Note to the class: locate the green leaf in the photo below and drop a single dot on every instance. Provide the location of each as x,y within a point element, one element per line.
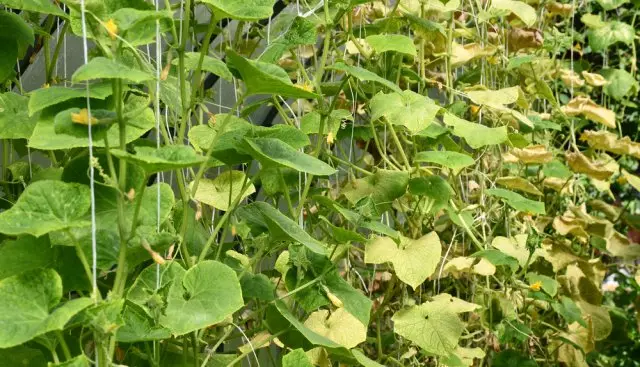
<point>409,109</point>
<point>210,64</point>
<point>310,122</point>
<point>609,34</point>
<point>515,247</point>
<point>150,287</point>
<point>569,311</point>
<point>413,260</point>
<point>29,306</point>
<point>353,300</point>
<point>392,42</point>
<point>264,78</point>
<point>23,356</point>
<point>432,327</point>
<point>42,98</point>
<point>522,10</point>
<point>476,135</point>
<point>279,226</point>
<point>165,158</point>
<point>453,160</point>
<point>555,168</point>
<point>242,10</point>
<point>365,75</point>
<point>383,187</point>
<point>296,358</point>
<point>433,187</point>
<point>39,6</point>
<point>104,68</point>
<point>257,286</point>
<point>498,258</point>
<point>299,32</point>
<point>620,83</point>
<point>25,254</point>
<point>139,327</point>
<point>611,4</point>
<point>79,361</point>
<point>205,295</point>
<point>364,360</point>
<point>280,318</point>
<point>222,190</point>
<point>518,202</point>
<point>13,27</point>
<point>46,206</point>
<point>274,152</point>
<point>138,27</point>
<point>15,123</point>
<point>509,358</point>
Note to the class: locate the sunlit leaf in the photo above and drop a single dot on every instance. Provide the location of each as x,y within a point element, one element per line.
<point>166,158</point>
<point>223,190</point>
<point>579,163</point>
<point>273,152</point>
<point>392,42</point>
<point>522,10</point>
<point>413,260</point>
<point>586,107</point>
<point>476,135</point>
<point>340,327</point>
<point>383,187</point>
<point>409,109</point>
<point>242,10</point>
<point>104,68</point>
<point>533,154</point>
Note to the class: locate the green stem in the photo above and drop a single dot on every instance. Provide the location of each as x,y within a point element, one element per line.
<point>285,191</point>
<point>56,51</point>
<point>63,345</point>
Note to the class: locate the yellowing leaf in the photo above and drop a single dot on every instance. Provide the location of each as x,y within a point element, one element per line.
<point>619,245</point>
<point>609,141</point>
<point>563,186</point>
<point>518,183</point>
<point>495,98</point>
<point>476,135</point>
<point>223,190</point>
<point>558,254</point>
<point>586,107</point>
<point>515,247</point>
<point>579,163</point>
<point>82,118</point>
<point>633,180</point>
<point>556,8</point>
<point>484,267</point>
<point>413,261</point>
<point>432,327</point>
<point>454,304</point>
<point>458,265</point>
<point>595,80</point>
<point>522,10</point>
<point>570,78</point>
<point>534,154</point>
<point>341,327</point>
<point>462,54</point>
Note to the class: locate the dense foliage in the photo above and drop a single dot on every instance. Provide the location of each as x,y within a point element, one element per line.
<point>446,183</point>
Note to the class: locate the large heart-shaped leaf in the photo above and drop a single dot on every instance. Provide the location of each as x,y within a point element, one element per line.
<point>413,260</point>
<point>610,33</point>
<point>340,327</point>
<point>46,206</point>
<point>392,42</point>
<point>274,152</point>
<point>409,109</point>
<point>242,10</point>
<point>476,135</point>
<point>434,328</point>
<point>104,68</point>
<point>15,123</point>
<point>383,186</point>
<point>264,78</point>
<point>205,295</point>
<point>29,306</point>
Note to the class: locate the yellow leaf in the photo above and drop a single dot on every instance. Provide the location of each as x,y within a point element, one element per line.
<point>82,117</point>
<point>609,141</point>
<point>457,266</point>
<point>633,180</point>
<point>341,327</point>
<point>112,28</point>
<point>518,183</point>
<point>619,245</point>
<point>579,163</point>
<point>535,154</point>
<point>484,267</point>
<point>556,8</point>
<point>570,78</point>
<point>595,80</point>
<point>586,107</point>
<point>462,54</point>
<point>563,186</point>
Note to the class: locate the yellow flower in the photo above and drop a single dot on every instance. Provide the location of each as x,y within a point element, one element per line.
<point>306,87</point>
<point>112,28</point>
<point>536,286</point>
<point>330,137</point>
<point>82,117</point>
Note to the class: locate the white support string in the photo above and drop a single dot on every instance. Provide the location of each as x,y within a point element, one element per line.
<point>157,117</point>
<point>94,252</point>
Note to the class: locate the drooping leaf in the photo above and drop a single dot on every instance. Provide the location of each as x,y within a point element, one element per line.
<point>365,75</point>
<point>210,64</point>
<point>498,258</point>
<point>609,142</point>
<point>515,247</point>
<point>383,187</point>
<point>242,10</point>
<point>533,154</point>
<point>364,360</point>
<point>278,225</point>
<point>29,306</point>
<point>579,163</point>
<point>569,311</point>
<point>15,123</point>
<point>166,158</point>
<point>104,68</point>
<point>432,327</point>
<point>435,188</point>
<point>453,160</point>
<point>409,109</point>
<point>340,327</point>
<point>42,98</point>
<point>222,190</point>
<point>518,183</point>
<point>264,78</point>
<point>39,6</point>
<point>392,42</point>
<point>353,301</point>
<point>46,206</point>
<point>476,135</point>
<point>518,202</point>
<point>413,260</point>
<point>139,326</point>
<point>273,152</point>
<point>522,10</point>
<point>205,295</point>
<point>586,107</point>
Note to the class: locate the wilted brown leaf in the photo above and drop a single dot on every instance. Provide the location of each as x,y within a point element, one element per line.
<point>520,38</point>
<point>462,54</point>
<point>586,107</point>
<point>535,154</point>
<point>579,163</point>
<point>609,141</point>
<point>619,245</point>
<point>563,186</point>
<point>595,80</point>
<point>556,8</point>
<point>518,183</point>
<point>570,78</point>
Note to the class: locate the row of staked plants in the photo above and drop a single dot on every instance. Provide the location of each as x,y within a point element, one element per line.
<point>446,184</point>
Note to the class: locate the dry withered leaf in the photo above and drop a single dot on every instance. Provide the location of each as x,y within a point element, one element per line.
<point>534,154</point>
<point>462,54</point>
<point>609,141</point>
<point>556,8</point>
<point>579,163</point>
<point>563,186</point>
<point>570,78</point>
<point>594,80</point>
<point>619,245</point>
<point>586,107</point>
<point>518,183</point>
<point>521,38</point>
